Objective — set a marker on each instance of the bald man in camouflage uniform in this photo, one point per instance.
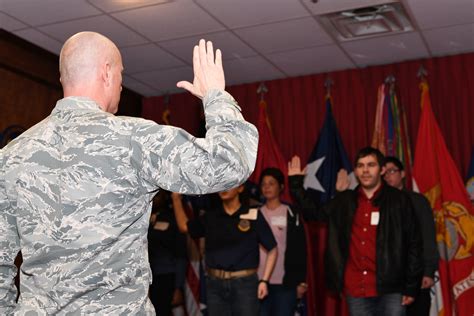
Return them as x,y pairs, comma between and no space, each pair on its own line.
75,189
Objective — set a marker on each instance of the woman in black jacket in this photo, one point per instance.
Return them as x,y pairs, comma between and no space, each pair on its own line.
288,280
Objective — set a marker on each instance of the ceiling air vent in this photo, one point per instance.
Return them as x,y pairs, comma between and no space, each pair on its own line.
367,22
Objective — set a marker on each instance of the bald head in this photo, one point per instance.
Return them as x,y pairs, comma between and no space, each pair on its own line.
88,63
82,56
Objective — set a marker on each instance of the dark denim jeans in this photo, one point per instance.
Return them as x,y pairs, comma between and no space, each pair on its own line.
235,297
280,301
422,304
384,305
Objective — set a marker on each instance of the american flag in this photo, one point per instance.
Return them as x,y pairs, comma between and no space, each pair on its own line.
195,285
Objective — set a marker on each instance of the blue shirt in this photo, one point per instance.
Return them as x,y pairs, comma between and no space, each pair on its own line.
232,243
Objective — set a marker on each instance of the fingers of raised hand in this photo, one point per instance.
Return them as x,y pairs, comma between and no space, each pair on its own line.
295,162
219,58
210,53
342,173
196,60
185,85
202,53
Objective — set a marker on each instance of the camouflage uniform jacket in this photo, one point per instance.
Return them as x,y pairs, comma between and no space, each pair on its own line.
75,194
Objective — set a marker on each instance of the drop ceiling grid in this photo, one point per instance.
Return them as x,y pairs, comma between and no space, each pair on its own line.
243,29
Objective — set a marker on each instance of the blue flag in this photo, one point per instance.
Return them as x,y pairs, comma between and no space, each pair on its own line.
327,158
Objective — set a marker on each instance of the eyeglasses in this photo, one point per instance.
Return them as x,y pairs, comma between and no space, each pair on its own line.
392,171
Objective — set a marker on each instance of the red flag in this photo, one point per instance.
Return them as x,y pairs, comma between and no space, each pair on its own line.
269,154
437,177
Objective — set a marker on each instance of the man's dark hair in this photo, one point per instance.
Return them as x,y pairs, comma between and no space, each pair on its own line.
395,161
273,172
370,151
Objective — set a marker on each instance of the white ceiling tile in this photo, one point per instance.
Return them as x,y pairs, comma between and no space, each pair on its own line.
119,34
118,5
171,20
294,34
253,12
250,69
36,12
138,87
230,45
10,24
386,49
165,80
41,40
438,13
147,57
330,6
260,39
311,60
450,40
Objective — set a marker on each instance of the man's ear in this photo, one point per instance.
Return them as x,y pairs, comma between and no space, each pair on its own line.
383,170
402,173
107,74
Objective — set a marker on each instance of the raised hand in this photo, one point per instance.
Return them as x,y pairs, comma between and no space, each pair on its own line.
294,167
208,71
343,181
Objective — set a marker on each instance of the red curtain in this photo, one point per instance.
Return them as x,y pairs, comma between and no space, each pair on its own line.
296,105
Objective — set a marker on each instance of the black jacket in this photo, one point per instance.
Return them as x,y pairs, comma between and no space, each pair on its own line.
295,253
398,241
424,213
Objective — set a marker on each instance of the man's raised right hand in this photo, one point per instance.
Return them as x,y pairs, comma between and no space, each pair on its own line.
208,71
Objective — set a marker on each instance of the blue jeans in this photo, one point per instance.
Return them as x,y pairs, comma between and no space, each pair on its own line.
235,297
281,301
383,305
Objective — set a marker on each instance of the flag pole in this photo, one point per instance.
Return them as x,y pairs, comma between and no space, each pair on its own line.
262,89
390,80
328,83
422,73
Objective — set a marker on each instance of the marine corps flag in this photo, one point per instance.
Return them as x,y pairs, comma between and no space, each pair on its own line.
436,176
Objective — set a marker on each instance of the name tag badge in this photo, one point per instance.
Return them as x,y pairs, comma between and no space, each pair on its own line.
374,218
278,221
162,226
251,215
